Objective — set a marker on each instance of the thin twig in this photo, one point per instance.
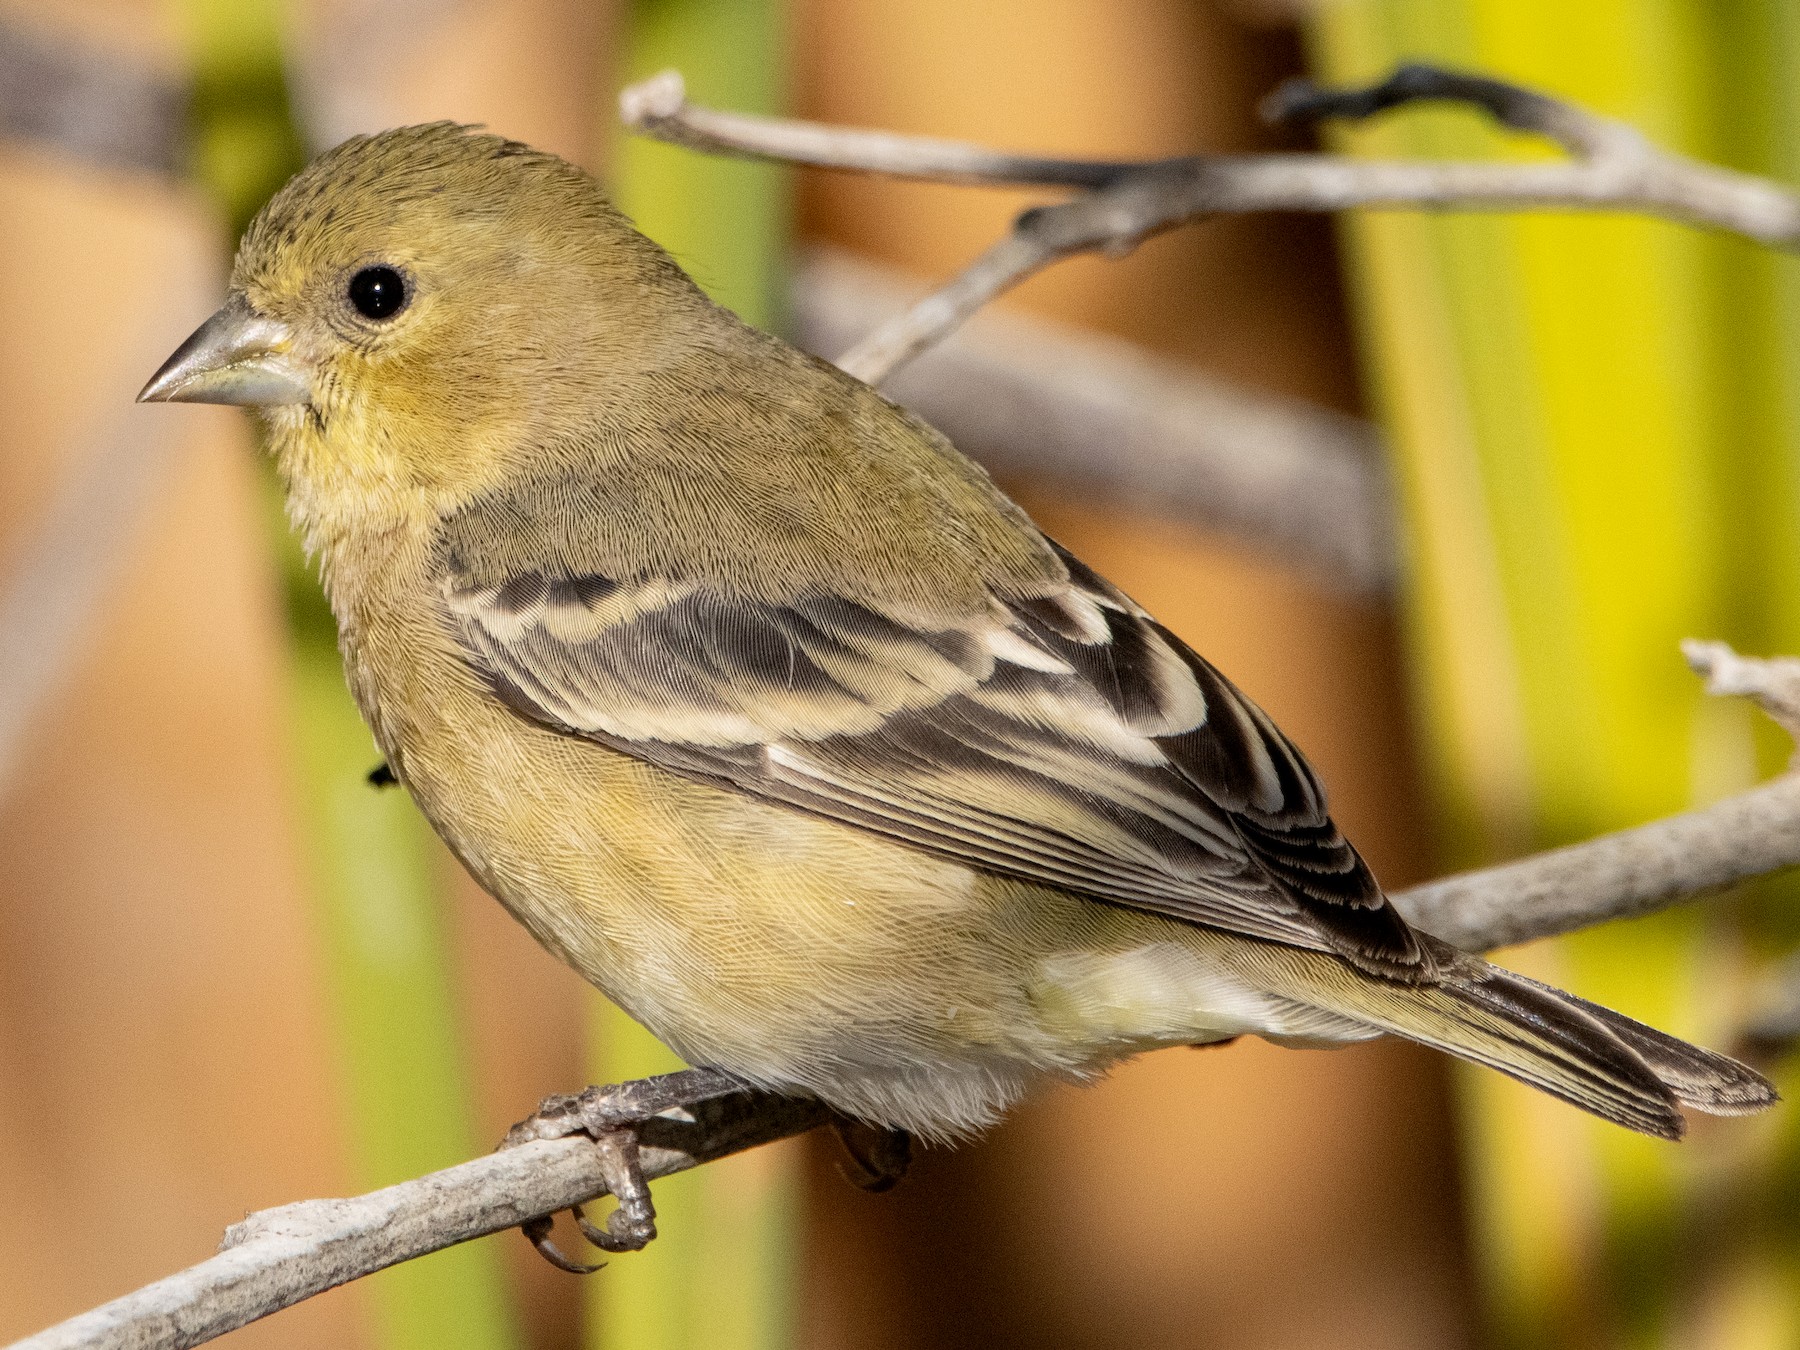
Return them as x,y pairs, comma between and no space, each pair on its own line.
1614,169
278,1257
1633,872
1583,134
1773,682
658,107
1040,238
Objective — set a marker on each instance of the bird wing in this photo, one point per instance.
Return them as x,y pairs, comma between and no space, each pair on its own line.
1064,738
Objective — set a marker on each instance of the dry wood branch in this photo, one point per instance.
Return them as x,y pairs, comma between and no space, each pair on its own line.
1583,134
1774,683
1614,169
658,107
1615,876
1632,872
278,1257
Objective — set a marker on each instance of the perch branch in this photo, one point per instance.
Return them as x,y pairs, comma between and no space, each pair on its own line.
1615,876
278,1257
1612,168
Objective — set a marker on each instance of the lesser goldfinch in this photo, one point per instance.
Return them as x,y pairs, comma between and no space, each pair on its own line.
762,707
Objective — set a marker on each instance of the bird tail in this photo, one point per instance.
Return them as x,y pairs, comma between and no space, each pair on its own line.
1587,1055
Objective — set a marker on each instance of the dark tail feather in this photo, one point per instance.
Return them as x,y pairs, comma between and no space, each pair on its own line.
1587,1055
1542,1037
1713,1083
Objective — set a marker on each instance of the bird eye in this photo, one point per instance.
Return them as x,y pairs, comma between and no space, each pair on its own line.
378,292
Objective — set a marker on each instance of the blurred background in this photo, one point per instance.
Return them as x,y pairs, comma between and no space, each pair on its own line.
233,974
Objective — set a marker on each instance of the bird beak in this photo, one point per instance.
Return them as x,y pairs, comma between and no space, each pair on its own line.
237,356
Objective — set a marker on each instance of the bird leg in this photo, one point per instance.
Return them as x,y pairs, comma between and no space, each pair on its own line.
613,1117
878,1155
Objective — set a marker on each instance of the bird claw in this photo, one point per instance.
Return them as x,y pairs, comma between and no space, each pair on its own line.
537,1232
611,1116
878,1156
632,1224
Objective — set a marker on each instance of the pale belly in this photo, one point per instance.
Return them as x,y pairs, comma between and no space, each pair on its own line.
805,955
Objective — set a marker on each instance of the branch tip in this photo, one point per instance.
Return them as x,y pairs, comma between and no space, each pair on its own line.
658,99
1773,682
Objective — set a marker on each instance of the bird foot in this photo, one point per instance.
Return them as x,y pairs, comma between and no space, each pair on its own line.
612,1117
878,1155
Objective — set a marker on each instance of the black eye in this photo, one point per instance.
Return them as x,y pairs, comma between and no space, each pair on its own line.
378,292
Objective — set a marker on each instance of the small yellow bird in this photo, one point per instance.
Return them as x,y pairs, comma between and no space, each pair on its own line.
762,707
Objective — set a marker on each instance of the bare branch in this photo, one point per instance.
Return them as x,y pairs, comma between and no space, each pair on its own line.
1038,401
658,107
278,1257
1774,683
1615,876
1583,134
1615,169
1035,242
1638,871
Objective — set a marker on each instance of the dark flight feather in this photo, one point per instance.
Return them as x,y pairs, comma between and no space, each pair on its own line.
1064,738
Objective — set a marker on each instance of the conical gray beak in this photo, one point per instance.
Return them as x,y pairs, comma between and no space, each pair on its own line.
237,356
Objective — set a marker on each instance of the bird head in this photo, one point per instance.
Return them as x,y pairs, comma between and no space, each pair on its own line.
416,304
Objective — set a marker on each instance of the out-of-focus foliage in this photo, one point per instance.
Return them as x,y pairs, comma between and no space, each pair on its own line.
726,220
245,143
1597,448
